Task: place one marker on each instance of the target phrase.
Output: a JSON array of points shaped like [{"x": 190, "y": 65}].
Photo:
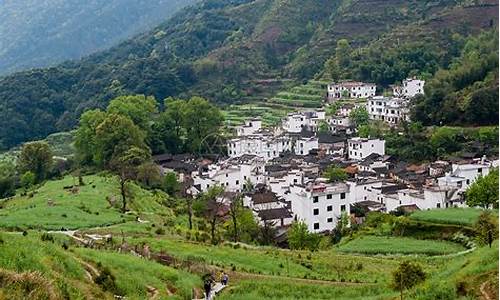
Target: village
[{"x": 282, "y": 171}]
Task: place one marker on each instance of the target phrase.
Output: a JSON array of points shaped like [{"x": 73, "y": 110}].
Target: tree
[
  {"x": 341, "y": 229},
  {"x": 148, "y": 174},
  {"x": 8, "y": 179},
  {"x": 486, "y": 228},
  {"x": 202, "y": 121},
  {"x": 335, "y": 174},
  {"x": 484, "y": 191},
  {"x": 323, "y": 127},
  {"x": 170, "y": 125},
  {"x": 85, "y": 136},
  {"x": 138, "y": 108},
  {"x": 406, "y": 276},
  {"x": 27, "y": 180},
  {"x": 125, "y": 164},
  {"x": 300, "y": 238},
  {"x": 359, "y": 116},
  {"x": 116, "y": 134},
  {"x": 235, "y": 210},
  {"x": 212, "y": 208},
  {"x": 36, "y": 157},
  {"x": 170, "y": 184}
]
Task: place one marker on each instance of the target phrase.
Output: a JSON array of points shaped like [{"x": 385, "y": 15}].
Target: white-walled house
[
  {"x": 364, "y": 189},
  {"x": 304, "y": 145},
  {"x": 263, "y": 145},
  {"x": 319, "y": 204},
  {"x": 351, "y": 89},
  {"x": 232, "y": 174},
  {"x": 360, "y": 148},
  {"x": 250, "y": 127},
  {"x": 269, "y": 208},
  {"x": 409, "y": 88},
  {"x": 309, "y": 120},
  {"x": 390, "y": 110}
]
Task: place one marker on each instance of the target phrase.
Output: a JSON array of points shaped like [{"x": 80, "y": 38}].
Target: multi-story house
[
  {"x": 409, "y": 88},
  {"x": 390, "y": 110},
  {"x": 350, "y": 89},
  {"x": 319, "y": 204},
  {"x": 360, "y": 148}
]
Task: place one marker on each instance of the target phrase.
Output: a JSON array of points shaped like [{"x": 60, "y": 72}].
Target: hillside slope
[
  {"x": 229, "y": 51},
  {"x": 35, "y": 33}
]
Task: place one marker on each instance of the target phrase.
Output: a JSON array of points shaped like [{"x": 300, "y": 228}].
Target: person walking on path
[
  {"x": 207, "y": 286},
  {"x": 225, "y": 278}
]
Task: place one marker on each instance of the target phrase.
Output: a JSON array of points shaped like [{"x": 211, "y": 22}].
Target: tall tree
[
  {"x": 36, "y": 157},
  {"x": 114, "y": 135},
  {"x": 335, "y": 174},
  {"x": 406, "y": 276},
  {"x": 486, "y": 228},
  {"x": 202, "y": 121},
  {"x": 235, "y": 211},
  {"x": 213, "y": 209},
  {"x": 484, "y": 191},
  {"x": 359, "y": 116},
  {"x": 126, "y": 165},
  {"x": 138, "y": 108},
  {"x": 85, "y": 136}
]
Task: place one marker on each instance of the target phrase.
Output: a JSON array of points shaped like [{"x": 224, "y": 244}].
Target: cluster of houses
[{"x": 280, "y": 171}]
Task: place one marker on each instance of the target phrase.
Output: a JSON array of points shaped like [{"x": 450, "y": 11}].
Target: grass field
[
  {"x": 52, "y": 207},
  {"x": 134, "y": 275},
  {"x": 460, "y": 216},
  {"x": 324, "y": 265},
  {"x": 286, "y": 289},
  {"x": 397, "y": 245}
]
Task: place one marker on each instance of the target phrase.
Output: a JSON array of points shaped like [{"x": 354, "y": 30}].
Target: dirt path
[{"x": 484, "y": 292}]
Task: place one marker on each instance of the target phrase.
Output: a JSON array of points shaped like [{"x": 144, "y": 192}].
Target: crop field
[
  {"x": 398, "y": 245},
  {"x": 289, "y": 289},
  {"x": 460, "y": 216},
  {"x": 52, "y": 207},
  {"x": 324, "y": 265}
]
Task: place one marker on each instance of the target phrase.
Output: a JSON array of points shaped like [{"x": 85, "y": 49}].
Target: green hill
[
  {"x": 237, "y": 51},
  {"x": 39, "y": 33}
]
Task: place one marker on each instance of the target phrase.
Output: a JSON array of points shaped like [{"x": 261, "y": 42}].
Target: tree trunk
[
  {"x": 190, "y": 213},
  {"x": 235, "y": 226},
  {"x": 123, "y": 192},
  {"x": 212, "y": 229}
]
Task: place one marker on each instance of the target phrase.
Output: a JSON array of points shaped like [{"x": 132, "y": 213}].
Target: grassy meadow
[
  {"x": 399, "y": 245},
  {"x": 459, "y": 216}
]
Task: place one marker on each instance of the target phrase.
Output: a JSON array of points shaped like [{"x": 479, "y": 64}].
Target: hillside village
[{"x": 281, "y": 170}]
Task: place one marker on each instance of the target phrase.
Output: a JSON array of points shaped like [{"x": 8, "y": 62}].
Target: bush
[
  {"x": 47, "y": 237},
  {"x": 160, "y": 231}
]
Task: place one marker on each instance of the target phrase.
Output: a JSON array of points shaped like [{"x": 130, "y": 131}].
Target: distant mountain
[
  {"x": 233, "y": 50},
  {"x": 37, "y": 33}
]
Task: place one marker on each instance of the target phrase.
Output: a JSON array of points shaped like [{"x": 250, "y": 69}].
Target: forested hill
[
  {"x": 37, "y": 33},
  {"x": 222, "y": 49}
]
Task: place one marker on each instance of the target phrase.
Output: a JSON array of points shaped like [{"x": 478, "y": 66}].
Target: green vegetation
[
  {"x": 235, "y": 51},
  {"x": 52, "y": 207},
  {"x": 461, "y": 216},
  {"x": 270, "y": 288},
  {"x": 483, "y": 192},
  {"x": 398, "y": 245},
  {"x": 467, "y": 92}
]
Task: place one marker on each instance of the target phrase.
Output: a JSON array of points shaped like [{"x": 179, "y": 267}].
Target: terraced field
[{"x": 306, "y": 96}]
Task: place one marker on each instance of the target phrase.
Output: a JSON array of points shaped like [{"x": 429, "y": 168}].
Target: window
[
  {"x": 480, "y": 170},
  {"x": 237, "y": 182},
  {"x": 342, "y": 196},
  {"x": 329, "y": 208},
  {"x": 316, "y": 211},
  {"x": 329, "y": 220},
  {"x": 438, "y": 205},
  {"x": 227, "y": 175},
  {"x": 315, "y": 199},
  {"x": 329, "y": 196},
  {"x": 316, "y": 226},
  {"x": 342, "y": 208}
]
